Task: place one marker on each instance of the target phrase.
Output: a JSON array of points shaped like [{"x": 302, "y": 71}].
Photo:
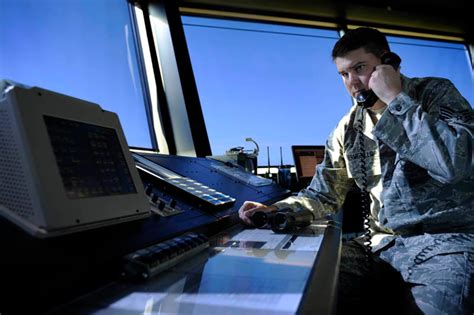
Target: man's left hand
[{"x": 386, "y": 83}]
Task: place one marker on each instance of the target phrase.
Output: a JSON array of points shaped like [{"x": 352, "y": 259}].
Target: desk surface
[{"x": 251, "y": 271}]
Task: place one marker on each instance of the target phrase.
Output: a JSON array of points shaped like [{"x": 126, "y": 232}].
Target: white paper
[
  {"x": 312, "y": 243},
  {"x": 272, "y": 240}
]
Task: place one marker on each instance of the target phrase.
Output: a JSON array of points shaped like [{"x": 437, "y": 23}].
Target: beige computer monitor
[{"x": 64, "y": 165}]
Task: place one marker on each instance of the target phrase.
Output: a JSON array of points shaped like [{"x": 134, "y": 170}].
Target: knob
[
  {"x": 173, "y": 203},
  {"x": 148, "y": 189},
  {"x": 161, "y": 205}
]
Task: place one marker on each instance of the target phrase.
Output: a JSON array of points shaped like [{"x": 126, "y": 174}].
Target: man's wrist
[
  {"x": 272, "y": 208},
  {"x": 393, "y": 97}
]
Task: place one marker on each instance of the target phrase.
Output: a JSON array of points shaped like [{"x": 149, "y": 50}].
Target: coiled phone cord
[
  {"x": 366, "y": 100},
  {"x": 423, "y": 254},
  {"x": 365, "y": 196}
]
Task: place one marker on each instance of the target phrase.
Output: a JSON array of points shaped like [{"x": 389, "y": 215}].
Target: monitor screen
[
  {"x": 306, "y": 157},
  {"x": 89, "y": 158}
]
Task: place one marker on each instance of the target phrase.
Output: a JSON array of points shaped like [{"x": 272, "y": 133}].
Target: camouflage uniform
[{"x": 420, "y": 161}]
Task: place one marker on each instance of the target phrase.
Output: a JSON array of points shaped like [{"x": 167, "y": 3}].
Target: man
[{"x": 412, "y": 152}]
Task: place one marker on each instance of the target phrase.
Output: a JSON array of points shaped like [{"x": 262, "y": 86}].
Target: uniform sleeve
[
  {"x": 433, "y": 131},
  {"x": 330, "y": 184}
]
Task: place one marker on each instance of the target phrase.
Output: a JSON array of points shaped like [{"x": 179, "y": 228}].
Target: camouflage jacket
[{"x": 419, "y": 162}]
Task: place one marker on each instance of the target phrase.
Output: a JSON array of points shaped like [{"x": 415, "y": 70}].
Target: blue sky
[{"x": 81, "y": 48}]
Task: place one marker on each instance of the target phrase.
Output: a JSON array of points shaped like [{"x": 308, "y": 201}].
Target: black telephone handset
[{"x": 368, "y": 98}]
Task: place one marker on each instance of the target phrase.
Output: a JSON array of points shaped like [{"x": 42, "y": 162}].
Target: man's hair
[{"x": 370, "y": 39}]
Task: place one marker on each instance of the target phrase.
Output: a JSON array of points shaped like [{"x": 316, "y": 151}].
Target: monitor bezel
[
  {"x": 295, "y": 149},
  {"x": 53, "y": 209}
]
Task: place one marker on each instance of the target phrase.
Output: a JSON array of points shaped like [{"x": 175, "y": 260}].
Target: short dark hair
[{"x": 372, "y": 40}]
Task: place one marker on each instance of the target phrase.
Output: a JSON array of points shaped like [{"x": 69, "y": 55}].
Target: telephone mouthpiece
[
  {"x": 366, "y": 98},
  {"x": 361, "y": 97}
]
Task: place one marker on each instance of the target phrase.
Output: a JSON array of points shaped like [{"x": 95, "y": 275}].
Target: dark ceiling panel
[{"x": 446, "y": 17}]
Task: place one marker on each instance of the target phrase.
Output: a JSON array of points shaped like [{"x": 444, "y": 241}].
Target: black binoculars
[{"x": 283, "y": 220}]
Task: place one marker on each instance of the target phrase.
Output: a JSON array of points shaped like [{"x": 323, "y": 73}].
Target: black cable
[
  {"x": 423, "y": 254},
  {"x": 365, "y": 195}
]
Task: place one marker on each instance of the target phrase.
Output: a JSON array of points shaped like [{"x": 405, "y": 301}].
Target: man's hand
[
  {"x": 385, "y": 82},
  {"x": 249, "y": 207}
]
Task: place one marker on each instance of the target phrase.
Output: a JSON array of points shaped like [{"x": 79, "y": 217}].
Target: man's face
[{"x": 355, "y": 69}]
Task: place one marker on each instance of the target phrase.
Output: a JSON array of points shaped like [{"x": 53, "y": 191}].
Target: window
[
  {"x": 276, "y": 84},
  {"x": 427, "y": 58},
  {"x": 84, "y": 49}
]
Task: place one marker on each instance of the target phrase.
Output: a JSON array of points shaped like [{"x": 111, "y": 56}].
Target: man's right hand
[{"x": 250, "y": 207}]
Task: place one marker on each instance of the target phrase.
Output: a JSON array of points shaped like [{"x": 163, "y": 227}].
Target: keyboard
[{"x": 150, "y": 261}]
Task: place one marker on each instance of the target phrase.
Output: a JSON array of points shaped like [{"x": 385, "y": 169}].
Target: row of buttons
[
  {"x": 159, "y": 205},
  {"x": 150, "y": 261}
]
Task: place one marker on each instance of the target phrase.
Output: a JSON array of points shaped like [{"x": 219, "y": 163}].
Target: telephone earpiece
[{"x": 368, "y": 98}]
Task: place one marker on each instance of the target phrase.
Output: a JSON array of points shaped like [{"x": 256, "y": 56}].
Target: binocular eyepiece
[
  {"x": 283, "y": 220},
  {"x": 260, "y": 219}
]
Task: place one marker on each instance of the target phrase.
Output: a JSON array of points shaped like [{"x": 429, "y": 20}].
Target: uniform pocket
[{"x": 444, "y": 283}]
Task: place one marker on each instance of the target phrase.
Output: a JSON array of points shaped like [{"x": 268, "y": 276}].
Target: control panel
[
  {"x": 190, "y": 187},
  {"x": 181, "y": 214},
  {"x": 183, "y": 187}
]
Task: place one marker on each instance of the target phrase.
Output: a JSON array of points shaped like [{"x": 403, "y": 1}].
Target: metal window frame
[
  {"x": 144, "y": 82},
  {"x": 179, "y": 106}
]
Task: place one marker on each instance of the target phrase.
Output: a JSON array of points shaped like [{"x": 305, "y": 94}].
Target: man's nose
[{"x": 353, "y": 80}]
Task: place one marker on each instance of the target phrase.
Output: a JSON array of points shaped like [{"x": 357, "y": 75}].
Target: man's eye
[
  {"x": 345, "y": 75},
  {"x": 360, "y": 68}
]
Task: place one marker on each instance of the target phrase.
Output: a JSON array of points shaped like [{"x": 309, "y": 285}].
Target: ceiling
[{"x": 444, "y": 17}]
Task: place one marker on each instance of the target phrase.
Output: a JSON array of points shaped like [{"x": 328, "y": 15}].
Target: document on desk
[
  {"x": 267, "y": 239},
  {"x": 258, "y": 238},
  {"x": 298, "y": 242}
]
